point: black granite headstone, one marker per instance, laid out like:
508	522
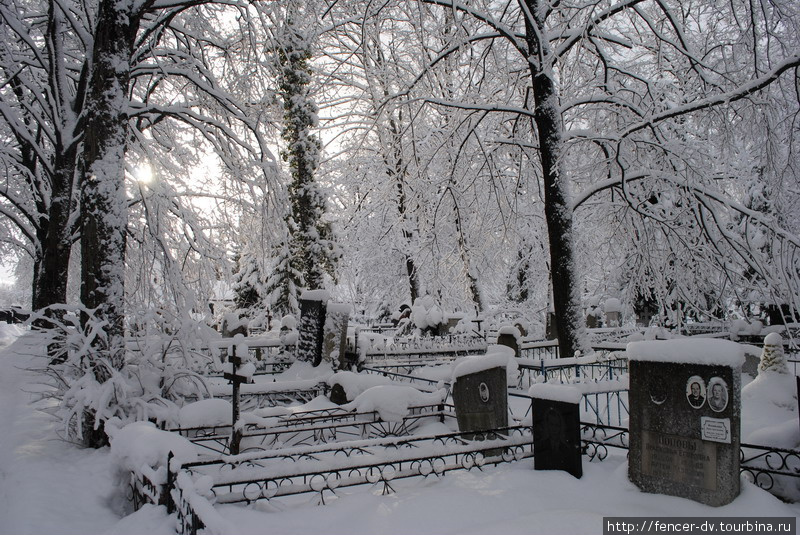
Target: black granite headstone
481	401
557	436
311	331
684	430
338	394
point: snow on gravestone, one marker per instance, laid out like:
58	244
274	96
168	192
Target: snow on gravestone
480	393
311	329
685	412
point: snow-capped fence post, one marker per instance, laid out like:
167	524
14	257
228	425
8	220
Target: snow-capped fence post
685	412
557	428
166	495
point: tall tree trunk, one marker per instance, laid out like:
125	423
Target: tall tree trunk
557	208
50	280
103	203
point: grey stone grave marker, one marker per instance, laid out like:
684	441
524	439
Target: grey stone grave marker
481	397
557	428
685	412
311	327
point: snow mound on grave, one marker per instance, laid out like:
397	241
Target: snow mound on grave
688	351
392	402
425	313
143	448
356	383
783	435
772	389
205	413
496	356
9	333
304	371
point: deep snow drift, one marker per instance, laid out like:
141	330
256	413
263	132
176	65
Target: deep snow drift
51	487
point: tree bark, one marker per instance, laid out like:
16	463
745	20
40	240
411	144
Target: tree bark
557	208
103	202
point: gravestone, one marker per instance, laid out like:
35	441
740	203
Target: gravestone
311	328
509	336
338	395
613	310
685	412
556	428
480	395
334	345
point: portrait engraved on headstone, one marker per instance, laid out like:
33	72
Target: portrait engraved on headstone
718	394
696	391
483	391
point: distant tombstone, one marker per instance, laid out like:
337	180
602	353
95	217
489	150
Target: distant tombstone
685	412
481	401
557	428
508	336
338	394
334	344
311	329
232	325
613	319
613	310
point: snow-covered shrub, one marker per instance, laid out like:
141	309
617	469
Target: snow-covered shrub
773	360
158	374
426	314
774	385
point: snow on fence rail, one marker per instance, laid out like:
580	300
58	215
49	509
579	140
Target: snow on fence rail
321	426
285	472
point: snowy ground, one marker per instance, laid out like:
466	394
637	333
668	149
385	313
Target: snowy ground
51	487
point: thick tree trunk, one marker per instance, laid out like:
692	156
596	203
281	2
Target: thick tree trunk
50	281
558	212
103	202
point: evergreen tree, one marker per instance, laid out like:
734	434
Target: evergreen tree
312	249
247	285
282	284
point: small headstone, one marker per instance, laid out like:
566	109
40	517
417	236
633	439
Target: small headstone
311	327
685	411
557	428
613	309
232	325
338	394
481	401
509	337
613	319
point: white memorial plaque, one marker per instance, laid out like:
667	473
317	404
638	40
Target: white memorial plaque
716	429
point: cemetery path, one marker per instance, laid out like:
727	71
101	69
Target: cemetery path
47	486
